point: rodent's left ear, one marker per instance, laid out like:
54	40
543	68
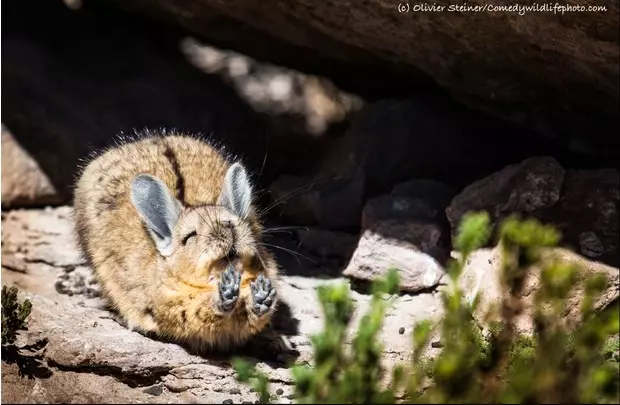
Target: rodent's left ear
237	191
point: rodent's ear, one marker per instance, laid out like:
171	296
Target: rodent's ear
237	191
158	209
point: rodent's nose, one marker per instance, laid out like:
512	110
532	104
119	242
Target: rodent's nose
232	254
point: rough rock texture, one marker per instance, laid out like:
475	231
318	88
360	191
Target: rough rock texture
582	204
556	71
23	181
407	245
74	348
405	229
482	274
587	213
390	142
525	188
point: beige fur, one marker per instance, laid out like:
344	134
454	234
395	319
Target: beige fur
171	296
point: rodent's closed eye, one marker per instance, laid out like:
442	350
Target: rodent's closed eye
187	237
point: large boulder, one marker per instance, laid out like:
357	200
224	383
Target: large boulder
582	204
555	69
482	276
524	188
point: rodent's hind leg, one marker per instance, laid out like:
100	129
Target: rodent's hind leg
227	293
263	295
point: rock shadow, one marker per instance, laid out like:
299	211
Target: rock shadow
30	362
80	78
270	346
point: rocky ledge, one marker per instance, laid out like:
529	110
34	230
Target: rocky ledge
554	68
74	350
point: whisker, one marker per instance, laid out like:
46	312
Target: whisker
281	228
291	194
267	234
291	252
264	159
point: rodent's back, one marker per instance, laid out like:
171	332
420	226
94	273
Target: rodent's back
107	225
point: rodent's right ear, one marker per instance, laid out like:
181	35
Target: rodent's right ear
236	193
157	208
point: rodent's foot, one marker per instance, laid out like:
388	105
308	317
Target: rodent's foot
263	295
230	281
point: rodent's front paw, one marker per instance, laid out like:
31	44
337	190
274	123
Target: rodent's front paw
263	295
230	281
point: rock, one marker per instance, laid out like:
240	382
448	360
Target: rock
396	207
24	183
333	248
555	71
407	230
56	122
39	253
305	103
432	191
388	142
422	199
391	141
587	213
482	274
84	353
401	244
334	204
525	188
581	204
67	387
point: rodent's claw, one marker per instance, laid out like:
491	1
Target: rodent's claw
263	294
230	281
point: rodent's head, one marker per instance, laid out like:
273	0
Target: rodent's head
196	241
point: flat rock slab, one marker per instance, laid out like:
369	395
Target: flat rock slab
82	352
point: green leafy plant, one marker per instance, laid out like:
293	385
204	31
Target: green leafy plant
554	365
14	314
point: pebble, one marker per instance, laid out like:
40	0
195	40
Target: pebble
401	330
279	391
228	401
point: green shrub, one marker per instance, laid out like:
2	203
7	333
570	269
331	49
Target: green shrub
14	314
552	366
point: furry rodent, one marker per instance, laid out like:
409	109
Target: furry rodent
168	224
